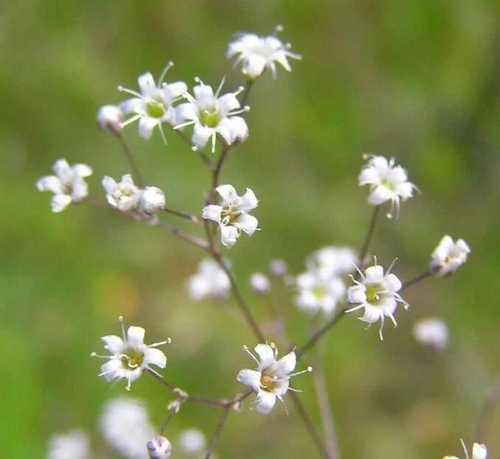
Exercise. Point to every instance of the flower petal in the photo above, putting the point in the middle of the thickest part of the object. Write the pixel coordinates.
(250, 378)
(266, 355)
(146, 83)
(146, 126)
(135, 336)
(264, 402)
(113, 344)
(60, 202)
(50, 183)
(212, 212)
(229, 235)
(153, 356)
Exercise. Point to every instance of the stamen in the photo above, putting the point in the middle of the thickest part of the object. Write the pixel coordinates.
(355, 308)
(183, 125)
(99, 356)
(239, 90)
(245, 348)
(198, 80)
(278, 29)
(244, 109)
(465, 449)
(221, 84)
(162, 133)
(389, 269)
(130, 120)
(161, 343)
(122, 324)
(381, 328)
(169, 65)
(307, 370)
(130, 91)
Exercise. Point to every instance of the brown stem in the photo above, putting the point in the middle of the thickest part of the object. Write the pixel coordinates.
(486, 413)
(130, 158)
(369, 234)
(417, 279)
(185, 215)
(193, 240)
(217, 433)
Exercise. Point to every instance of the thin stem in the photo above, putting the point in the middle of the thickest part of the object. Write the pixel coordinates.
(130, 158)
(217, 433)
(417, 279)
(185, 215)
(167, 420)
(309, 425)
(487, 410)
(369, 234)
(246, 92)
(193, 240)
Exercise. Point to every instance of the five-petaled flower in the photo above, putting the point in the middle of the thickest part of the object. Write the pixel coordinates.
(387, 182)
(211, 114)
(110, 119)
(448, 256)
(67, 184)
(376, 293)
(271, 379)
(479, 451)
(256, 54)
(154, 104)
(232, 214)
(129, 357)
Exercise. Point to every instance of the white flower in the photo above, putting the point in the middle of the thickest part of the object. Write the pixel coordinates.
(479, 451)
(278, 268)
(129, 356)
(319, 290)
(159, 448)
(212, 114)
(71, 445)
(333, 260)
(154, 104)
(123, 195)
(376, 293)
(432, 332)
(387, 182)
(260, 283)
(192, 442)
(448, 256)
(152, 200)
(232, 214)
(67, 184)
(256, 54)
(209, 282)
(125, 425)
(110, 118)
(271, 380)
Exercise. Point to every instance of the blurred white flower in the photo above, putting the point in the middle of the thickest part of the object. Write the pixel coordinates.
(376, 293)
(159, 448)
(126, 427)
(387, 182)
(278, 268)
(260, 283)
(479, 451)
(129, 356)
(334, 260)
(71, 445)
(319, 290)
(123, 195)
(271, 380)
(256, 54)
(232, 214)
(152, 200)
(432, 332)
(67, 184)
(211, 114)
(192, 442)
(153, 105)
(209, 282)
(448, 256)
(110, 118)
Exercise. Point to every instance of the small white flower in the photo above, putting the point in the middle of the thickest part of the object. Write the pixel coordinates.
(260, 283)
(209, 282)
(319, 290)
(211, 114)
(333, 260)
(129, 357)
(154, 104)
(448, 256)
(123, 195)
(67, 184)
(271, 380)
(152, 200)
(71, 445)
(256, 54)
(232, 214)
(125, 425)
(192, 442)
(110, 118)
(376, 293)
(159, 448)
(479, 451)
(278, 268)
(387, 182)
(432, 332)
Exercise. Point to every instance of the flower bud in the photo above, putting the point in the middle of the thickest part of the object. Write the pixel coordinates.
(278, 268)
(448, 256)
(260, 283)
(109, 118)
(152, 200)
(159, 448)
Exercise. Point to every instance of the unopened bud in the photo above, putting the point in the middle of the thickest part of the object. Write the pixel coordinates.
(278, 268)
(260, 283)
(152, 200)
(159, 448)
(109, 118)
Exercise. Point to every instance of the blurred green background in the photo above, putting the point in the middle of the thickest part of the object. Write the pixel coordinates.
(419, 80)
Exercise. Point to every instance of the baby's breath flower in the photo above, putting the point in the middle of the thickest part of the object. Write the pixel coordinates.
(159, 448)
(152, 200)
(70, 445)
(211, 114)
(67, 184)
(129, 357)
(110, 118)
(209, 282)
(479, 451)
(278, 268)
(232, 214)
(153, 105)
(432, 332)
(448, 256)
(333, 260)
(192, 442)
(260, 283)
(271, 379)
(376, 293)
(256, 54)
(387, 182)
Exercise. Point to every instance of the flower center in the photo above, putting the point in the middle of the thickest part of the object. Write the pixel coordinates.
(132, 359)
(389, 185)
(320, 292)
(374, 293)
(155, 108)
(210, 118)
(267, 382)
(229, 216)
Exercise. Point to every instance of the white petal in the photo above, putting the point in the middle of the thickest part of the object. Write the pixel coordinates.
(369, 175)
(356, 294)
(374, 274)
(227, 193)
(186, 111)
(132, 105)
(146, 83)
(135, 336)
(50, 183)
(60, 202)
(248, 201)
(153, 356)
(111, 369)
(379, 195)
(254, 66)
(203, 92)
(239, 128)
(113, 344)
(392, 283)
(212, 212)
(146, 126)
(266, 355)
(228, 102)
(247, 223)
(80, 190)
(229, 235)
(62, 168)
(250, 378)
(82, 170)
(284, 366)
(173, 90)
(109, 184)
(201, 134)
(264, 402)
(479, 451)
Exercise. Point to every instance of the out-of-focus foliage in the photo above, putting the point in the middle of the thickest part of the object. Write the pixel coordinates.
(419, 80)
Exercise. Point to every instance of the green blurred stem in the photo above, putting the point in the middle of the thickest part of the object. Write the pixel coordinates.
(369, 235)
(193, 240)
(130, 158)
(185, 215)
(486, 413)
(246, 92)
(416, 280)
